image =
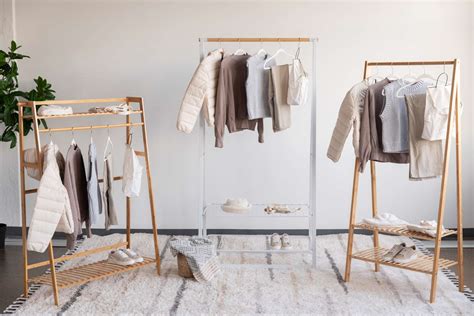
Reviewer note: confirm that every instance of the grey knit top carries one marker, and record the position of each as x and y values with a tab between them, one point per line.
394	115
256	86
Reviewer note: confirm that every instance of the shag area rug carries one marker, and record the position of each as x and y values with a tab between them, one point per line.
296	289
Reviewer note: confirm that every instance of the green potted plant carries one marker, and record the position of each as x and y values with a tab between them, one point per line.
10	94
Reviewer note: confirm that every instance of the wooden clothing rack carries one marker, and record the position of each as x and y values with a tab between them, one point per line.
425	264
81	274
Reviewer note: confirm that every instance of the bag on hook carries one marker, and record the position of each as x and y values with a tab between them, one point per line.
297	82
132	173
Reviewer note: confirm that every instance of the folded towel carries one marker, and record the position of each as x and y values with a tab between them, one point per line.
200	254
54	109
385	220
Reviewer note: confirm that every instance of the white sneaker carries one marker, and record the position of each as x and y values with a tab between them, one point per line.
275	242
406	255
132	255
393	252
119	257
285	242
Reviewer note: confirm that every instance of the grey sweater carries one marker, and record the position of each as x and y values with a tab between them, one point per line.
257	87
394	115
370	144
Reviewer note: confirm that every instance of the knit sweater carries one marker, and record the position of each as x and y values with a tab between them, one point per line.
348	118
394	115
370	145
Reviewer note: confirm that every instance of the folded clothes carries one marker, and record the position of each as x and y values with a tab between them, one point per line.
122	109
426	227
54	109
281	208
238	205
385	220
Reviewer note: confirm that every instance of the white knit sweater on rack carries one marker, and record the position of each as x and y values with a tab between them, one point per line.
348	118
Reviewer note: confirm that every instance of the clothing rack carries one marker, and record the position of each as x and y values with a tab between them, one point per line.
425	264
311	206
94	271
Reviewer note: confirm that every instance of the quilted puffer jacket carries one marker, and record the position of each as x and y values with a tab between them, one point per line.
52	210
201	93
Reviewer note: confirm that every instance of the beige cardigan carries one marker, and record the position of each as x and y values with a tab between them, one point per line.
348	118
201	93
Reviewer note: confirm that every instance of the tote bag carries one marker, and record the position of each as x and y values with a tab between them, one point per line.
132	173
297	82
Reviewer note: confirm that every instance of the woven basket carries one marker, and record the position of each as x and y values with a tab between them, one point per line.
183	267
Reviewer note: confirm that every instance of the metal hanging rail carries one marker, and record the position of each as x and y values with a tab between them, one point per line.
312	159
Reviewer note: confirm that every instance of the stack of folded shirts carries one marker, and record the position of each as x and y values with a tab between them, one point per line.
426	227
238	206
385	220
54	109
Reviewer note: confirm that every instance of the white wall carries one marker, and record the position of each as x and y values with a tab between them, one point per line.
101	49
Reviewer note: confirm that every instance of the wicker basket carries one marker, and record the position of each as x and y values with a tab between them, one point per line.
183	267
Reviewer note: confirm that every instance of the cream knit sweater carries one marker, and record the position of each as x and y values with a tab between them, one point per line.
348	117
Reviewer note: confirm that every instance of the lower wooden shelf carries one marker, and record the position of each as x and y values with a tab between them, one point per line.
422	264
400	231
86	273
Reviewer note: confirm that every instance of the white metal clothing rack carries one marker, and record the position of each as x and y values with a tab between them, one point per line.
310	207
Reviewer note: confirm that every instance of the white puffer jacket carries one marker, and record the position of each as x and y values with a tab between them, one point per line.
52	210
201	93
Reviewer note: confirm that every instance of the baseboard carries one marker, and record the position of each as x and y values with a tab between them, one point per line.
15	232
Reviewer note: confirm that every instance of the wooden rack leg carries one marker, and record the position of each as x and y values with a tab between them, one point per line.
374	206
127	199
459	193
444	181
150	189
53	274
23	203
350	238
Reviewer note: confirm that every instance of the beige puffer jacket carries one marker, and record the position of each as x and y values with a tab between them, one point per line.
201	93
52	210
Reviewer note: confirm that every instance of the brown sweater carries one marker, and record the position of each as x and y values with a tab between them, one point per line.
370	144
231	101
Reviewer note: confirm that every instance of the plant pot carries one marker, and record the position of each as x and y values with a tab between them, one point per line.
3	234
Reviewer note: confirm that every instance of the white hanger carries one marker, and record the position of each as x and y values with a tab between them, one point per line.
50	138
407	81
261	51
240	51
92	140
109	142
392	76
279	51
425	76
375	76
73	141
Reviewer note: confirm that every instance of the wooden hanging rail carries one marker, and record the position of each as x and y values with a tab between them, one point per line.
425	264
81	274
260	39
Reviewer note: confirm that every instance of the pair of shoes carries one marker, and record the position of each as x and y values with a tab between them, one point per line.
280	242
124	257
401	254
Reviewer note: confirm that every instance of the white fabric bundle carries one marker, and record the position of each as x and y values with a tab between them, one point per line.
132	173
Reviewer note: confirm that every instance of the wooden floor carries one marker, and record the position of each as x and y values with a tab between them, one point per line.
11	270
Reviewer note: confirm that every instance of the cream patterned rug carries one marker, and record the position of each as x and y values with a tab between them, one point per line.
297	289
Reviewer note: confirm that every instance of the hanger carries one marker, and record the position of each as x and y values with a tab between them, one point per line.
279	51
92	140
73	141
375	76
240	51
261	50
424	75
392	76
50	138
407	81
109	142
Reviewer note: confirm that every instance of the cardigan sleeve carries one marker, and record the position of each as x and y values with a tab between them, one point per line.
344	124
